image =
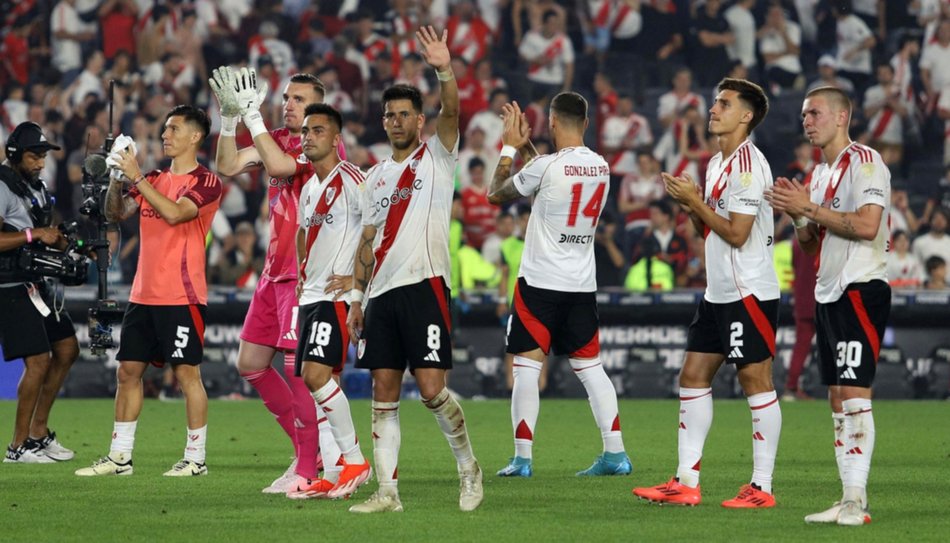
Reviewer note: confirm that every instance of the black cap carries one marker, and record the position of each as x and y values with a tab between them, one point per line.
29	137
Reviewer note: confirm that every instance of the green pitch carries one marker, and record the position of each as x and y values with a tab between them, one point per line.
909	488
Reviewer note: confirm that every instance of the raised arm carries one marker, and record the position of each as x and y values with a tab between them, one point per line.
435	51
515	138
118	206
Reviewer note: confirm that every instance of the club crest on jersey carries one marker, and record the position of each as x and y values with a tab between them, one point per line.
413	165
867	170
329	193
745	179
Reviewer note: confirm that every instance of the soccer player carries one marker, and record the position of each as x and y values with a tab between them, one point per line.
843	218
164	322
735	321
404	250
554	300
330	229
271	322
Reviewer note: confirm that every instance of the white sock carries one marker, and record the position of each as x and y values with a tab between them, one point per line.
123	440
859	445
329	450
603	401
838	419
766	428
332	402
525	403
386	437
696	414
451	420
195	444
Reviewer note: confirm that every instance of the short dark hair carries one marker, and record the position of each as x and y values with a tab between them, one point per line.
934	262
663	207
496	92
197	117
475	162
548	13
403	92
310	79
570	107
751	95
328	110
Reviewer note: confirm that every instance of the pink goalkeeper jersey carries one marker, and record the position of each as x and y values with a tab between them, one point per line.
283	196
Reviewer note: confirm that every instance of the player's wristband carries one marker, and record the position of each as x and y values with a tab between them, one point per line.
508	151
138	179
29	235
800	223
445	75
229	125
356	296
254	123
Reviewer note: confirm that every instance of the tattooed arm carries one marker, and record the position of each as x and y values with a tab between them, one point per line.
862	224
118	206
362	274
515	135
230	161
502	187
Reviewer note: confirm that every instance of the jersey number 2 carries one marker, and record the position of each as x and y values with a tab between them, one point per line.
591	209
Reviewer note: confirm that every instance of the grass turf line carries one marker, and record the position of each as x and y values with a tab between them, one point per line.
909	488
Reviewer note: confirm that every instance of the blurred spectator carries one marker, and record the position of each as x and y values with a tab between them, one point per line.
662	241
92	142
242	265
504	228
743	27
267	42
935	62
828	76
903	268
486	78
888	111
618	27
936	273
550	57
151	33
344	58
780	43
15	106
367	41
335	95
805	161
188	41
403	19
119	17
316	43
903	63
606	103
70	35
15	52
471	96
478	215
147	143
537	115
89	80
475	148
940	197
935	242
803	309
929	15
489	120
674	101
660	42
170	76
650	272
710	36
902	216
854	44
684	148
469	35
608	258
637	190
622	134
695	274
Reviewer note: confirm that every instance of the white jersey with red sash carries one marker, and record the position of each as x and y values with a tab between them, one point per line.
736	185
410	203
886	125
858	177
330	219
554	54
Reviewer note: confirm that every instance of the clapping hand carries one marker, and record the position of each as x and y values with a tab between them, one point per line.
224	86
516	132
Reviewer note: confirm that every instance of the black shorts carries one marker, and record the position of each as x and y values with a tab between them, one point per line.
565	321
742	331
23	330
162	333
323	337
408	326
849	332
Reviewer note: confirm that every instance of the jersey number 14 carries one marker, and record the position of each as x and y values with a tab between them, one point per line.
591	209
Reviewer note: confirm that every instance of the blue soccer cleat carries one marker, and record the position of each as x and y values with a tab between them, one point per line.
517	467
609	464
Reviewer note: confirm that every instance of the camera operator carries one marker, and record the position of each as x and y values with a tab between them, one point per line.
31	326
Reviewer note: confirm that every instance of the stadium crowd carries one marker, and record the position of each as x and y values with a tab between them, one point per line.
647	65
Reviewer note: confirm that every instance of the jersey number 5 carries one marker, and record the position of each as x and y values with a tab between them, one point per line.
591	209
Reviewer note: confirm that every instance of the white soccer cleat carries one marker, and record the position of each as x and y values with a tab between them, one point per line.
54	449
470	487
107	466
186	468
852	514
28	453
828	516
380	502
285	483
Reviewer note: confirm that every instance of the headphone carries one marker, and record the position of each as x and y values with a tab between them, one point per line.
14	152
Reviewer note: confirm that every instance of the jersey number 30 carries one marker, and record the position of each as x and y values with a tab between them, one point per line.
591	208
